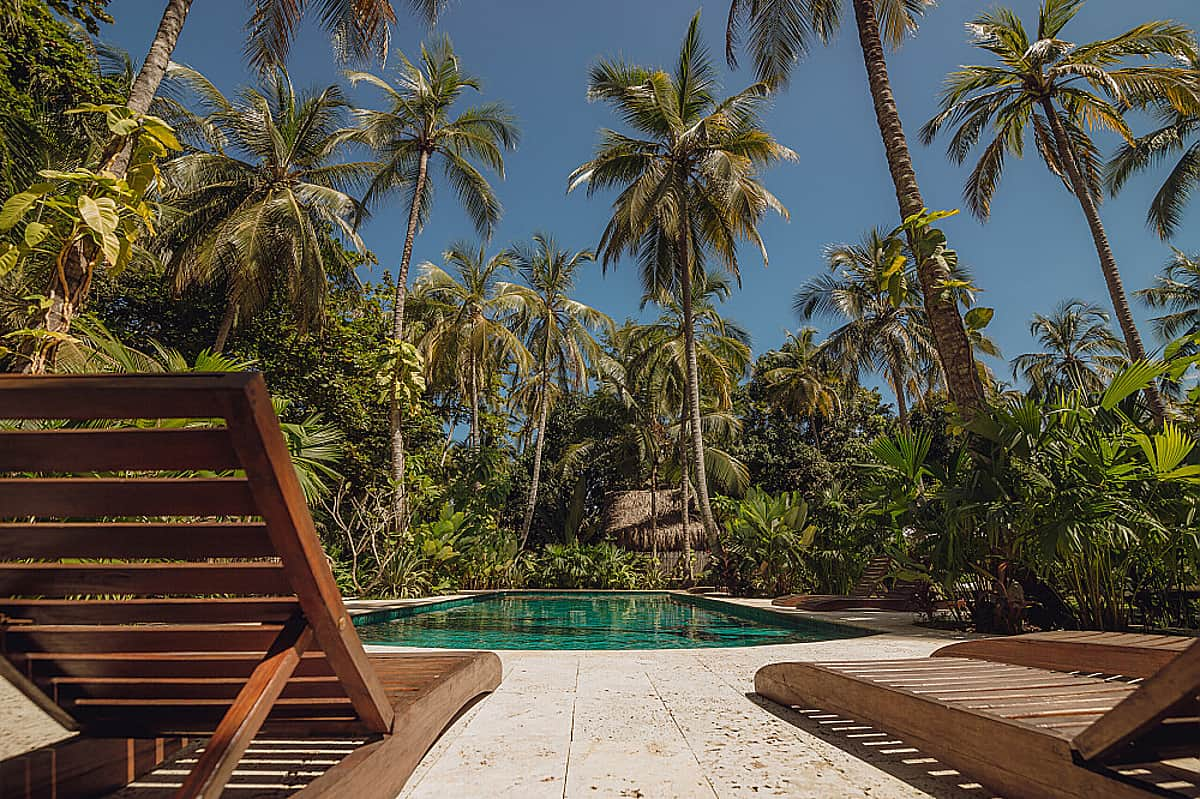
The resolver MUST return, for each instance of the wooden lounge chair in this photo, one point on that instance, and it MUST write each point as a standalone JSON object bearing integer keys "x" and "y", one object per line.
{"x": 210, "y": 610}
{"x": 1024, "y": 731}
{"x": 868, "y": 592}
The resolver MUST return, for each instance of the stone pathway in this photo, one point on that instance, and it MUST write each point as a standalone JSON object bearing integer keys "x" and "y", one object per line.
{"x": 676, "y": 725}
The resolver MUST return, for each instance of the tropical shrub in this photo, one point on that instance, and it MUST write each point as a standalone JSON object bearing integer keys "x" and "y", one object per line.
{"x": 762, "y": 545}
{"x": 600, "y": 566}
{"x": 1064, "y": 510}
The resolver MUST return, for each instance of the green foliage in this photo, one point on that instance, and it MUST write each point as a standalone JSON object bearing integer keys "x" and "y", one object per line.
{"x": 254, "y": 203}
{"x": 602, "y": 566}
{"x": 84, "y": 206}
{"x": 401, "y": 369}
{"x": 46, "y": 68}
{"x": 762, "y": 546}
{"x": 1066, "y": 497}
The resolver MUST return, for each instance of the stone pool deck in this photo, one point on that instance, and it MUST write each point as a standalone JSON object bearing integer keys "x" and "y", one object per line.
{"x": 661, "y": 724}
{"x": 680, "y": 724}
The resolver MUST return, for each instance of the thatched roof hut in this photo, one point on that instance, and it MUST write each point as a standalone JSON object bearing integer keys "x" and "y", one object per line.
{"x": 627, "y": 519}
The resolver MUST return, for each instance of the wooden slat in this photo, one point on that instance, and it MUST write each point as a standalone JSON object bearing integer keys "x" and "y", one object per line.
{"x": 134, "y": 541}
{"x": 55, "y": 580}
{"x": 145, "y": 396}
{"x": 65, "y": 498}
{"x": 381, "y": 768}
{"x": 153, "y": 665}
{"x": 1133, "y": 656}
{"x": 254, "y": 429}
{"x": 268, "y": 610}
{"x": 34, "y": 694}
{"x": 82, "y": 767}
{"x": 249, "y": 710}
{"x": 146, "y": 722}
{"x": 1175, "y": 684}
{"x": 112, "y": 450}
{"x": 1012, "y": 758}
{"x": 82, "y": 638}
{"x": 299, "y": 707}
{"x": 66, "y": 690}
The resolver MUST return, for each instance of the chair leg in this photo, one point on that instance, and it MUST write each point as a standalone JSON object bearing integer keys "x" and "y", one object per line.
{"x": 247, "y": 714}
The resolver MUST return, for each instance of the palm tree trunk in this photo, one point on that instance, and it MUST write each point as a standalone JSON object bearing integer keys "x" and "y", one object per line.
{"x": 400, "y": 495}
{"x": 1108, "y": 261}
{"x": 474, "y": 376}
{"x": 949, "y": 334}
{"x": 448, "y": 441}
{"x": 68, "y": 288}
{"x": 654, "y": 512}
{"x": 901, "y": 404}
{"x": 227, "y": 320}
{"x": 684, "y": 511}
{"x": 154, "y": 69}
{"x": 543, "y": 413}
{"x": 683, "y": 264}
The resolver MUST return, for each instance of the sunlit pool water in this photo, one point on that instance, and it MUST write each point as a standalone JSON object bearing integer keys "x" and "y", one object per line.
{"x": 590, "y": 620}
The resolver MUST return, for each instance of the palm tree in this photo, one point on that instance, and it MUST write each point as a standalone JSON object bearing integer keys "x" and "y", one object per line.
{"x": 1177, "y": 291}
{"x": 1080, "y": 351}
{"x": 360, "y": 27}
{"x": 636, "y": 443}
{"x": 689, "y": 186}
{"x": 558, "y": 332}
{"x": 720, "y": 355}
{"x": 798, "y": 379}
{"x": 1178, "y": 132}
{"x": 780, "y": 31}
{"x": 256, "y": 208}
{"x": 883, "y": 329}
{"x": 416, "y": 127}
{"x": 1054, "y": 90}
{"x": 467, "y": 330}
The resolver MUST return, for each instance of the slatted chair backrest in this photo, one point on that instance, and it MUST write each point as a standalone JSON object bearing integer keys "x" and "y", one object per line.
{"x": 1163, "y": 715}
{"x": 145, "y": 571}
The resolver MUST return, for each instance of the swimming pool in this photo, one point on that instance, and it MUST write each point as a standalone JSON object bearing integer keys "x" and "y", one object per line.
{"x": 590, "y": 620}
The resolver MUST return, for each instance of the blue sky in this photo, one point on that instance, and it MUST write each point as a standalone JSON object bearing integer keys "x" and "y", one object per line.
{"x": 534, "y": 55}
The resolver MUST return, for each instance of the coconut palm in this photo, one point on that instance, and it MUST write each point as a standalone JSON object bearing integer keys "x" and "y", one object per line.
{"x": 798, "y": 379}
{"x": 689, "y": 180}
{"x": 637, "y": 442}
{"x": 1053, "y": 91}
{"x": 1080, "y": 351}
{"x": 467, "y": 330}
{"x": 883, "y": 330}
{"x": 721, "y": 355}
{"x": 359, "y": 27}
{"x": 778, "y": 32}
{"x": 1176, "y": 291}
{"x": 255, "y": 209}
{"x": 558, "y": 332}
{"x": 419, "y": 125}
{"x": 1177, "y": 135}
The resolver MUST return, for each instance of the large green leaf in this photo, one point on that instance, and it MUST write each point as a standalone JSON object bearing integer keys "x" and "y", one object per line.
{"x": 99, "y": 215}
{"x": 35, "y": 234}
{"x": 1130, "y": 380}
{"x": 17, "y": 206}
{"x": 9, "y": 255}
{"x": 979, "y": 317}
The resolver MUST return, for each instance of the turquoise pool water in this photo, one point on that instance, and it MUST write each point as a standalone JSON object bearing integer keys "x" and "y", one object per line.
{"x": 587, "y": 620}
